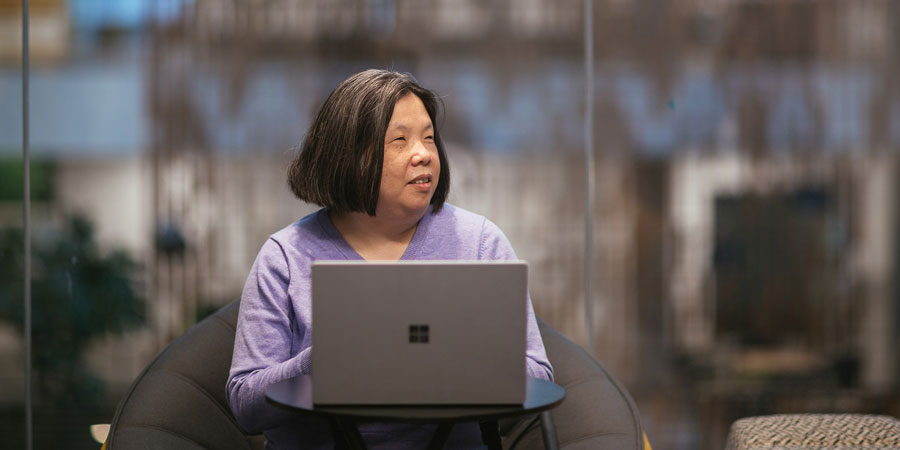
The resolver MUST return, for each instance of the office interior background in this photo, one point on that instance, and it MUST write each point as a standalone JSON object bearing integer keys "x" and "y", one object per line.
{"x": 743, "y": 200}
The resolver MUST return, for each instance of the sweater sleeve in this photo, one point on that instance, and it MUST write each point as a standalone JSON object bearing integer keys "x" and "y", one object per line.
{"x": 262, "y": 354}
{"x": 495, "y": 246}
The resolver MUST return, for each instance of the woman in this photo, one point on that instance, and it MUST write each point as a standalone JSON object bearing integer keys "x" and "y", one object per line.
{"x": 374, "y": 160}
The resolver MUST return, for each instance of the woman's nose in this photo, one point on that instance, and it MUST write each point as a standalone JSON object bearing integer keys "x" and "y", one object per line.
{"x": 421, "y": 155}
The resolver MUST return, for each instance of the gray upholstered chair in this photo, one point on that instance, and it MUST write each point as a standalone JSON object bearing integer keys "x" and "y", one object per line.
{"x": 178, "y": 401}
{"x": 598, "y": 412}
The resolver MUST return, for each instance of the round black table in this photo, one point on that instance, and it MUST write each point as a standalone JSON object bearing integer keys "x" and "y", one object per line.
{"x": 540, "y": 396}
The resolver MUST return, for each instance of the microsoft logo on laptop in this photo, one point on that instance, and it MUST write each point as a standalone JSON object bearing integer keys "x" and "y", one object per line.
{"x": 418, "y": 334}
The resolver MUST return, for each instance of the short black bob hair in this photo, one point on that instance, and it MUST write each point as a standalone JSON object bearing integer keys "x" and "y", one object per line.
{"x": 338, "y": 165}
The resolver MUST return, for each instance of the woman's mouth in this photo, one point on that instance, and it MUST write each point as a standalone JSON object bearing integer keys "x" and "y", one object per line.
{"x": 421, "y": 179}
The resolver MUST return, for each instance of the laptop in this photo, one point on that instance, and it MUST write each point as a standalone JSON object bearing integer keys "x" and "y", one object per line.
{"x": 419, "y": 332}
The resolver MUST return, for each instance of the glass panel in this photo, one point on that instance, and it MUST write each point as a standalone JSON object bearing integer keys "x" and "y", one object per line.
{"x": 12, "y": 342}
{"x": 746, "y": 209}
{"x": 163, "y": 129}
{"x": 88, "y": 137}
{"x": 743, "y": 205}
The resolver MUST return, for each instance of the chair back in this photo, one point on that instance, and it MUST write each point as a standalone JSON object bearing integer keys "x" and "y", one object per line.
{"x": 597, "y": 413}
{"x": 179, "y": 400}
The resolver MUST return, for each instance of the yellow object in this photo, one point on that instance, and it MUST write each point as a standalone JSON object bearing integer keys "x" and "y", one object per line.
{"x": 646, "y": 443}
{"x": 100, "y": 432}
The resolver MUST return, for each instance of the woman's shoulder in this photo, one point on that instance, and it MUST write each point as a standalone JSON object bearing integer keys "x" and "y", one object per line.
{"x": 491, "y": 242}
{"x": 305, "y": 225}
{"x": 459, "y": 218}
{"x": 452, "y": 214}
{"x": 305, "y": 235}
{"x": 456, "y": 221}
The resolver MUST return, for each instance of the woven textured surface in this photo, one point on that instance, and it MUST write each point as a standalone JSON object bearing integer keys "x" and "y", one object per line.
{"x": 815, "y": 431}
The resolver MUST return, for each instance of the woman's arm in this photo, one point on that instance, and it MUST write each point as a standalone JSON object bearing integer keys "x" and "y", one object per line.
{"x": 495, "y": 246}
{"x": 537, "y": 364}
{"x": 262, "y": 344}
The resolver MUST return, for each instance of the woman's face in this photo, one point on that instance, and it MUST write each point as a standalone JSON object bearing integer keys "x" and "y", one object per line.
{"x": 411, "y": 167}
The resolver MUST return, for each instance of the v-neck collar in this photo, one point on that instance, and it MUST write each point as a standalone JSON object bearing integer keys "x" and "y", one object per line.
{"x": 341, "y": 245}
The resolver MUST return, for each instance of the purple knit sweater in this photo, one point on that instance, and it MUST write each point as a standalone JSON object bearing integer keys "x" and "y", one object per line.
{"x": 274, "y": 330}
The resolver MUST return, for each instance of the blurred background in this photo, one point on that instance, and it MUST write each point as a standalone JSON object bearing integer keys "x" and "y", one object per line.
{"x": 745, "y": 198}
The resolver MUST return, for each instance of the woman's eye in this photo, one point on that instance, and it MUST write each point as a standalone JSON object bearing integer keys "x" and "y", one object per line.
{"x": 429, "y": 138}
{"x": 399, "y": 139}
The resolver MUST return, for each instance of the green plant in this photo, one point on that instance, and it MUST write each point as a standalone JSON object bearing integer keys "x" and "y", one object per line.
{"x": 43, "y": 177}
{"x": 78, "y": 294}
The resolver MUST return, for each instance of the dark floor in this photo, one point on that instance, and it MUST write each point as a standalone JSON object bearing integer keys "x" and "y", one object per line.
{"x": 53, "y": 428}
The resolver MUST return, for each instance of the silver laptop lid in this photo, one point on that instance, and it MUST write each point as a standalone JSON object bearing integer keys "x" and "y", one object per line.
{"x": 419, "y": 332}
